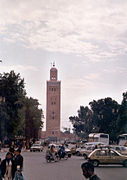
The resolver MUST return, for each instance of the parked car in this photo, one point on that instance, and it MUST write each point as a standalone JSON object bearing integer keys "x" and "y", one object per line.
{"x": 87, "y": 148}
{"x": 36, "y": 147}
{"x": 68, "y": 152}
{"x": 73, "y": 150}
{"x": 86, "y": 151}
{"x": 78, "y": 150}
{"x": 107, "y": 156}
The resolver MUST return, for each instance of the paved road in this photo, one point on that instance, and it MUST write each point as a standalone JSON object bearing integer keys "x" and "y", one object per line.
{"x": 36, "y": 168}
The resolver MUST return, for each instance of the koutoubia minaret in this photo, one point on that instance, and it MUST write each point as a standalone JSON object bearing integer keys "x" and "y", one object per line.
{"x": 53, "y": 105}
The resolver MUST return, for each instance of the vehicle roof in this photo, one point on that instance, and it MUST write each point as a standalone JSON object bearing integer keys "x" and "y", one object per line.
{"x": 106, "y": 150}
{"x": 96, "y": 134}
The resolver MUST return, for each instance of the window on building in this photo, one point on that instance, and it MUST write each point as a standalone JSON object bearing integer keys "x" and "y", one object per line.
{"x": 53, "y": 103}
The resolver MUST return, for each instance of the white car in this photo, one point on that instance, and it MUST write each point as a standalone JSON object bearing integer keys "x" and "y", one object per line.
{"x": 36, "y": 147}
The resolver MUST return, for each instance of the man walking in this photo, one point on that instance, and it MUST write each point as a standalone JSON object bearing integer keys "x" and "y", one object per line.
{"x": 88, "y": 171}
{"x": 18, "y": 161}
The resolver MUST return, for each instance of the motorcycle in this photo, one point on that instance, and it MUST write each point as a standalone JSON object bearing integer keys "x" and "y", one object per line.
{"x": 63, "y": 155}
{"x": 50, "y": 158}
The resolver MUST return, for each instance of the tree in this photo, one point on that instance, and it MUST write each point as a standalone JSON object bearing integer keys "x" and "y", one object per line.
{"x": 19, "y": 115}
{"x": 105, "y": 113}
{"x": 100, "y": 118}
{"x": 122, "y": 118}
{"x": 83, "y": 122}
{"x": 3, "y": 119}
{"x": 12, "y": 89}
{"x": 33, "y": 118}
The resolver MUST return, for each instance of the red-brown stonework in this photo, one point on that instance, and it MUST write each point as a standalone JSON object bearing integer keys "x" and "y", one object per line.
{"x": 53, "y": 105}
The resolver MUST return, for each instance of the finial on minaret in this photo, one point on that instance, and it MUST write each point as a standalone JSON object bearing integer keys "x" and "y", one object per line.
{"x": 54, "y": 64}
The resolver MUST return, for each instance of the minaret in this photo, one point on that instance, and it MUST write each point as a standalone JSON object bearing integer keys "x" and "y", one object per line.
{"x": 53, "y": 105}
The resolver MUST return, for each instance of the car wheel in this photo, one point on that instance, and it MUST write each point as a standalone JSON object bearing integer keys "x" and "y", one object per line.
{"x": 57, "y": 158}
{"x": 69, "y": 155}
{"x": 85, "y": 156}
{"x": 125, "y": 163}
{"x": 95, "y": 163}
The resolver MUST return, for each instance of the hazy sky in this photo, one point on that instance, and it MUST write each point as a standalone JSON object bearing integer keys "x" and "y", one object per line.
{"x": 86, "y": 38}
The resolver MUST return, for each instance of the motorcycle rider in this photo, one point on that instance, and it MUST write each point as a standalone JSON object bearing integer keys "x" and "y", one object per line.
{"x": 61, "y": 151}
{"x": 52, "y": 151}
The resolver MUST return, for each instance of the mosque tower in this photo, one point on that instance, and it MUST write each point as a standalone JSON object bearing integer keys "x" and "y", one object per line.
{"x": 53, "y": 105}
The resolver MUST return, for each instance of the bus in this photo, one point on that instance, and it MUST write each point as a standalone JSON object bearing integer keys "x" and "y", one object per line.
{"x": 122, "y": 140}
{"x": 99, "y": 137}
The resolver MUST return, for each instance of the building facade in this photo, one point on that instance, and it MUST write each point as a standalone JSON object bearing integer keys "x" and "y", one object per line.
{"x": 53, "y": 105}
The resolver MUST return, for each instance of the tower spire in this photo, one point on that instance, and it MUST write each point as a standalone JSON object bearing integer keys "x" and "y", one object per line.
{"x": 54, "y": 64}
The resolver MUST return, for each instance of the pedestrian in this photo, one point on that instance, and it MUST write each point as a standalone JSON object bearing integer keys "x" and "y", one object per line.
{"x": 0, "y": 170}
{"x": 11, "y": 150}
{"x": 0, "y": 145}
{"x": 88, "y": 171}
{"x": 18, "y": 162}
{"x": 7, "y": 167}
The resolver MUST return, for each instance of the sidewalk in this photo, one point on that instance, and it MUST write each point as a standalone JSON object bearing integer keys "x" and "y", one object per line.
{"x": 3, "y": 150}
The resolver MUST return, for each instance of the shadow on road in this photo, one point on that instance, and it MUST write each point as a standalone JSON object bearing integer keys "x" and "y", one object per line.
{"x": 111, "y": 166}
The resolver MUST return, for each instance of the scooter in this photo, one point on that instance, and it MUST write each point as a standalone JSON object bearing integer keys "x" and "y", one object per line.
{"x": 50, "y": 158}
{"x": 63, "y": 155}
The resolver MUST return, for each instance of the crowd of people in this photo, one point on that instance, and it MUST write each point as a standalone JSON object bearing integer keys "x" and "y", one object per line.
{"x": 11, "y": 167}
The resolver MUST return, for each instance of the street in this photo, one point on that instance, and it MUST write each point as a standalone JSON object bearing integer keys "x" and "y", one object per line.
{"x": 36, "y": 168}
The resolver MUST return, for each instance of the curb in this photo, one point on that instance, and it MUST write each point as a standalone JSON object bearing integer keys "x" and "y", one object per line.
{"x": 3, "y": 150}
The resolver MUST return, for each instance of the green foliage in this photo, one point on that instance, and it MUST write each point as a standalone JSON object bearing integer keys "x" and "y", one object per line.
{"x": 33, "y": 117}
{"x": 82, "y": 123}
{"x": 122, "y": 118}
{"x": 102, "y": 117}
{"x": 12, "y": 89}
{"x": 105, "y": 113}
{"x": 14, "y": 106}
